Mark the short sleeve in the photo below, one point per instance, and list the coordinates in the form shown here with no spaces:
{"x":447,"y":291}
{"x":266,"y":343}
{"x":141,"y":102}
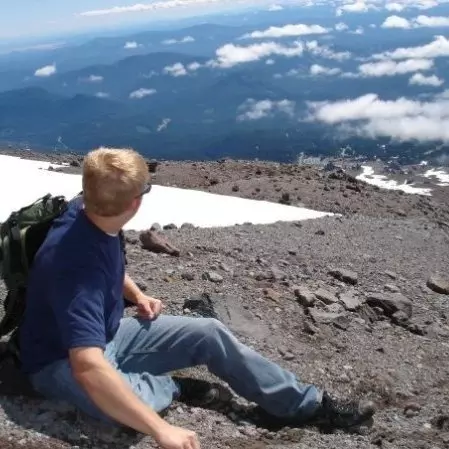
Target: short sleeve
{"x":79,"y":307}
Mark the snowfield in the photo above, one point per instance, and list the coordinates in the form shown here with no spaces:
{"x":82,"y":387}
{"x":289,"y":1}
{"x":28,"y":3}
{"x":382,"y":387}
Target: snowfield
{"x":27,"y":180}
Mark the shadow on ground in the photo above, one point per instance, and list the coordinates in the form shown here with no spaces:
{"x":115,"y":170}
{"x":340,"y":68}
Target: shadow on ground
{"x":62,"y":423}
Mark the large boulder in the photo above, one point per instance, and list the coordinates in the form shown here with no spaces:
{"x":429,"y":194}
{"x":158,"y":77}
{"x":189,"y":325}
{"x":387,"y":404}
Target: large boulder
{"x":151,"y":241}
{"x":391,"y":304}
{"x":438,"y":285}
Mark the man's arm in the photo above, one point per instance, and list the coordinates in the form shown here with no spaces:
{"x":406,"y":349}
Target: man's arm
{"x":112,"y":394}
{"x":131,"y":291}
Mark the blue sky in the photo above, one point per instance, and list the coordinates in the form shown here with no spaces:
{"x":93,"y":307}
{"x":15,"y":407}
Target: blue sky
{"x":29,"y":18}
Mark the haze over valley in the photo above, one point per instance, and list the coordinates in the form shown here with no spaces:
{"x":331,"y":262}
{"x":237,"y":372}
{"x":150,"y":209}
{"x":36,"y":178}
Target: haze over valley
{"x":271,"y":81}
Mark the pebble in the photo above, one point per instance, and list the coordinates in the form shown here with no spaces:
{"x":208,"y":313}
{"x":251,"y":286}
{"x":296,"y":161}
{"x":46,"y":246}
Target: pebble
{"x":391,"y":288}
{"x":212,"y":276}
{"x":224,"y":267}
{"x":347,"y":276}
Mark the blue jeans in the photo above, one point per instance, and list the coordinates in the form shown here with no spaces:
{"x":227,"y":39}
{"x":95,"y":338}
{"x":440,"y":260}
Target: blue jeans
{"x":144,"y":351}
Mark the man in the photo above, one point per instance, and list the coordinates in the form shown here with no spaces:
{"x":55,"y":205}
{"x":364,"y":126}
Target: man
{"x":76,"y":346}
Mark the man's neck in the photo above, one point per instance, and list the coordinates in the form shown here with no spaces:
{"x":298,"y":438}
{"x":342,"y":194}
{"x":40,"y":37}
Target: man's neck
{"x":109,"y":226}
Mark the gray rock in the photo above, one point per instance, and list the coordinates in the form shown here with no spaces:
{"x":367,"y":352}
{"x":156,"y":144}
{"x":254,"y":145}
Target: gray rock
{"x":277,"y":274}
{"x":320,"y":317}
{"x":391,"y":303}
{"x":350,"y":277}
{"x":224,"y":267}
{"x":400,"y":317}
{"x":187,"y":226}
{"x":188,"y":276}
{"x":305,"y":297}
{"x":272,"y":294}
{"x":391,"y":288}
{"x":212,"y":276}
{"x":170,"y":226}
{"x":350,"y":302}
{"x":310,"y":328}
{"x":335,"y":308}
{"x":156,"y":227}
{"x":438,"y":285}
{"x":325,"y":296}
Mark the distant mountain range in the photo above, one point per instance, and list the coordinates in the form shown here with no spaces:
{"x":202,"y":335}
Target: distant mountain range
{"x":167,"y":94}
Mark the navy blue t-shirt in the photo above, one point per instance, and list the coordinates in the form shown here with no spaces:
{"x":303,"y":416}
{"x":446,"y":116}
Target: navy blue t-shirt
{"x":75,"y":291}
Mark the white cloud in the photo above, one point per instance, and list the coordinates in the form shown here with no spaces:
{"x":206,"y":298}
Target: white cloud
{"x":415,"y":4}
{"x":396,"y":22}
{"x":131,"y":45}
{"x":439,"y":47}
{"x":399,"y":119}
{"x":422,"y":80}
{"x":164,"y":124}
{"x":274,"y":8}
{"x":424,"y":4}
{"x":418,"y":22}
{"x":48,"y":70}
{"x":230,"y":55}
{"x":396,"y":7}
{"x":102,"y":95}
{"x":269,"y":61}
{"x":94,"y":79}
{"x":391,"y":68}
{"x":255,"y":110}
{"x":141,"y":93}
{"x":150,"y":74}
{"x":141,"y":7}
{"x":325,"y":52}
{"x":184,"y":40}
{"x":176,"y":70}
{"x":358,"y":6}
{"x":286,"y":31}
{"x":317,"y":69}
{"x":431,"y":22}
{"x":341,"y":26}
{"x":194,"y":66}
{"x":291,"y":72}
{"x":358,"y":30}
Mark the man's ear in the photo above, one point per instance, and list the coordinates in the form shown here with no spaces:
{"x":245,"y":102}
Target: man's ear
{"x":135,"y":204}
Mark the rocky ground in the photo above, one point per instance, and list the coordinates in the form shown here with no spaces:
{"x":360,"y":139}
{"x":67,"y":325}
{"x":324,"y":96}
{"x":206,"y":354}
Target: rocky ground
{"x":357,"y":304}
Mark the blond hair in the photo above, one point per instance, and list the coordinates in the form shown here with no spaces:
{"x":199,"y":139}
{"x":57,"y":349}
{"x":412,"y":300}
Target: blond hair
{"x":112,"y":178}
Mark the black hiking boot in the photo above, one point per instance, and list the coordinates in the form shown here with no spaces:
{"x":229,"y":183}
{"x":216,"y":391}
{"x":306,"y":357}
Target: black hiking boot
{"x":201,"y":393}
{"x":334,"y":413}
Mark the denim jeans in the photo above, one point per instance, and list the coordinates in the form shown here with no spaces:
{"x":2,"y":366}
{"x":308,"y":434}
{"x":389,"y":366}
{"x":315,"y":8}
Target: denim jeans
{"x":145,"y":351}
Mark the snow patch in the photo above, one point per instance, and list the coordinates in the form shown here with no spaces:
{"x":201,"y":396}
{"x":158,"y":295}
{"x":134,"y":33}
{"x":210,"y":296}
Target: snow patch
{"x":441,"y":175}
{"x":27,"y":180}
{"x":383,"y":182}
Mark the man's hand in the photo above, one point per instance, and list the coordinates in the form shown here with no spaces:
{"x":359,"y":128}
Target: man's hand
{"x":173,"y":437}
{"x":149,"y":307}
